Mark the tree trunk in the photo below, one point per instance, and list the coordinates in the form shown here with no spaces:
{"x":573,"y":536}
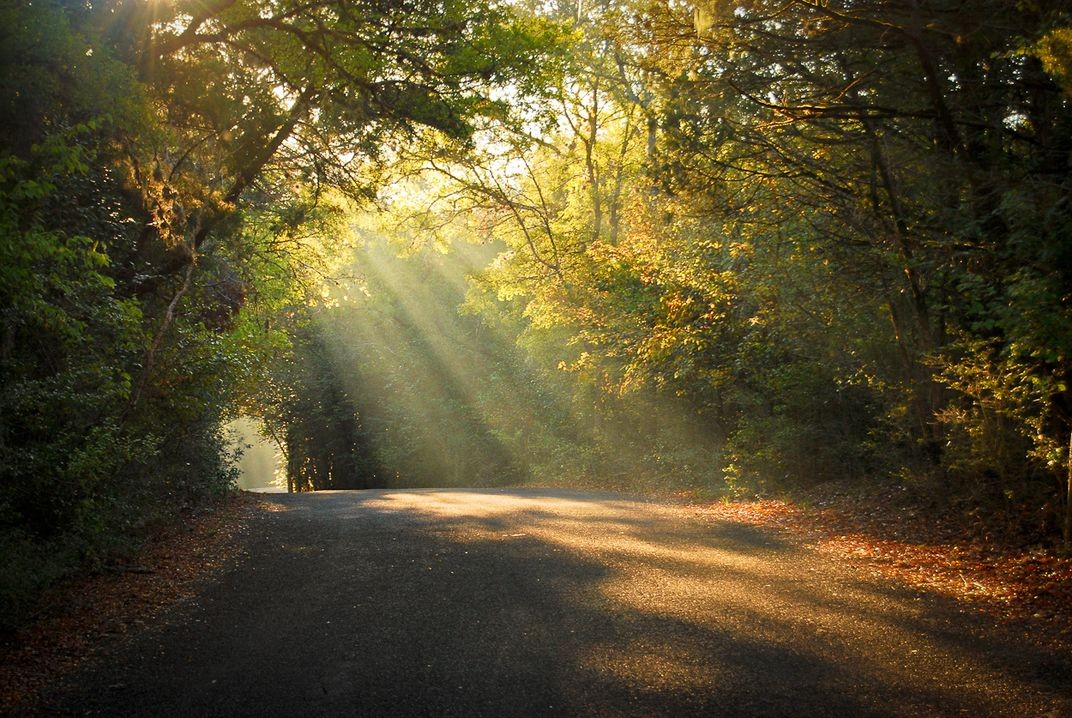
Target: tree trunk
{"x":158,"y":341}
{"x":590,"y":164}
{"x":1067,"y":533}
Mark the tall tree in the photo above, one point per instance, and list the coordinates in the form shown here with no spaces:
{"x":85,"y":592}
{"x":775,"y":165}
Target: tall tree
{"x":162,"y":167}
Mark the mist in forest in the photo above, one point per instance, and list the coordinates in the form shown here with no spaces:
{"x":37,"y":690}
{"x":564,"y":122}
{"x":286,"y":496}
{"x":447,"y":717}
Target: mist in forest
{"x":260,"y":463}
{"x":442,"y":394}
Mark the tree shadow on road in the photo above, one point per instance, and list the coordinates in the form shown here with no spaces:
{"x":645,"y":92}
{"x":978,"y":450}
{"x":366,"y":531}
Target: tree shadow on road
{"x":504,"y":603}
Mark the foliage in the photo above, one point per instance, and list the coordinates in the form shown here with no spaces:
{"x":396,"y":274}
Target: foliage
{"x":170,"y":182}
{"x":836,"y":232}
{"x":899,"y":144}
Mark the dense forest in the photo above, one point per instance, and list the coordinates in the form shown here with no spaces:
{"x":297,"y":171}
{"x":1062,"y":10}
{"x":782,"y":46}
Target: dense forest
{"x":730,"y":247}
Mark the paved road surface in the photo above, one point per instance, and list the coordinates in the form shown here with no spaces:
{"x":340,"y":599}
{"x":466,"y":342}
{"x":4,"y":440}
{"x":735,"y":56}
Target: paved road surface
{"x":518,"y":603}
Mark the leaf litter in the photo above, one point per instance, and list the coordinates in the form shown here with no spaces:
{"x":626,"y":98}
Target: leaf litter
{"x":79,"y":618}
{"x":924,"y":547}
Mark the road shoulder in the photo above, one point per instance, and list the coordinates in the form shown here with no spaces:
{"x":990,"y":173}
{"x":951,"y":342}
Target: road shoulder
{"x":91,"y":614}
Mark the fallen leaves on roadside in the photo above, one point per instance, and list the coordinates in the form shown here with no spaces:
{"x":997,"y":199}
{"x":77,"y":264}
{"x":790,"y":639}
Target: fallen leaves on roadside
{"x":76,"y":617}
{"x":928,"y":551}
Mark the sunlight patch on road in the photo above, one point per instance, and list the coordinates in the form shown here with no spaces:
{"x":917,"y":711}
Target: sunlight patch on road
{"x":658,"y":666}
{"x":480,"y":504}
{"x":663,"y":567}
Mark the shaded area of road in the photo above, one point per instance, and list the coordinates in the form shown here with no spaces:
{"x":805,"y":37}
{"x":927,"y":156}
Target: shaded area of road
{"x":501,"y":603}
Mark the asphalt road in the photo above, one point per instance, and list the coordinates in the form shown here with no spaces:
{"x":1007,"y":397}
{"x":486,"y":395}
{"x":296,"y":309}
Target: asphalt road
{"x":524,"y":603}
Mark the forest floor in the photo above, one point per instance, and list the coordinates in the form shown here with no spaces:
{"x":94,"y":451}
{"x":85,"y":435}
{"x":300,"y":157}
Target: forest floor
{"x":893,"y":533}
{"x":882,"y":531}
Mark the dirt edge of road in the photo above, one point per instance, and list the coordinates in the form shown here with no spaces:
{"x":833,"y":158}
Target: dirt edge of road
{"x":84,"y":615}
{"x":888,"y":532}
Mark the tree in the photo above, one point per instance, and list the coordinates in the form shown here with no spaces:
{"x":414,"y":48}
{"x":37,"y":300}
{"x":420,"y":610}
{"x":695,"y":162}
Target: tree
{"x":888,"y":171}
{"x":163,"y":167}
{"x":909,"y":136}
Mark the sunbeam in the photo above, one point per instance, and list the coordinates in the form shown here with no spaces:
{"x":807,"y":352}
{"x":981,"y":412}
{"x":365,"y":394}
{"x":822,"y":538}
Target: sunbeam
{"x":445,"y":396}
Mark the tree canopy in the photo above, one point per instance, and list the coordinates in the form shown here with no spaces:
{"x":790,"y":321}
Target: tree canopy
{"x":172,"y":177}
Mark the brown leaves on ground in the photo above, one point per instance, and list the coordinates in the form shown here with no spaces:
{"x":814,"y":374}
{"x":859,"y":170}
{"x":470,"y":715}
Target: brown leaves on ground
{"x":79,"y":616}
{"x":926,"y":549}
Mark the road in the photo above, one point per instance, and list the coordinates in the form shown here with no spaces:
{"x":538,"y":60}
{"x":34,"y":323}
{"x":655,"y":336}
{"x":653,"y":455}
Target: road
{"x":527,"y":603}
